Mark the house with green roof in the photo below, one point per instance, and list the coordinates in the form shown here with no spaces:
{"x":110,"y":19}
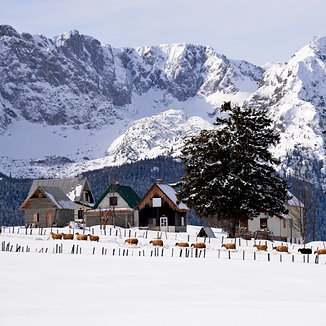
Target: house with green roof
{"x":115,"y":207}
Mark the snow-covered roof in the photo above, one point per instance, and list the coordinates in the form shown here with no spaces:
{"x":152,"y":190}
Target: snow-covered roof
{"x":58,"y":197}
{"x":170,"y":192}
{"x":294,"y":201}
{"x":72,"y":187}
{"x":55,"y":194}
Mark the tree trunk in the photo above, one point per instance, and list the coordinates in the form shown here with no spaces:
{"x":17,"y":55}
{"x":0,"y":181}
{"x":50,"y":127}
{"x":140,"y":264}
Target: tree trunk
{"x":231,"y":227}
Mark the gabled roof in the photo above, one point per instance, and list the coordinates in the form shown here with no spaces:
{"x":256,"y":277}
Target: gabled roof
{"x":206,"y":231}
{"x":55,"y":195}
{"x":72,"y":187}
{"x":171,"y":194}
{"x":126,"y":192}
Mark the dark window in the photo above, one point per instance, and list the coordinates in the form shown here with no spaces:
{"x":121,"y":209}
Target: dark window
{"x":113,"y":201}
{"x":80,"y":214}
{"x":263,"y":223}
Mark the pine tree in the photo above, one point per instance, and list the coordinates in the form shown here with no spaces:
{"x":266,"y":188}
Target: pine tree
{"x":230,"y":172}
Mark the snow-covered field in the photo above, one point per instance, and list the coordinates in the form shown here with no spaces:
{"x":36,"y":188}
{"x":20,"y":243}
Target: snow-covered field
{"x":110,"y":283}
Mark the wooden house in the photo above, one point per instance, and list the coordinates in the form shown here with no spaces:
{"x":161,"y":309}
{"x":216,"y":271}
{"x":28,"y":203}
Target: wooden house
{"x":115,"y":207}
{"x":76,"y":189}
{"x":46,"y":207}
{"x":158,"y":210}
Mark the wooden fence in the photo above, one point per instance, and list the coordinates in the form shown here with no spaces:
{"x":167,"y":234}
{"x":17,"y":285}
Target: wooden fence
{"x":115,"y":246}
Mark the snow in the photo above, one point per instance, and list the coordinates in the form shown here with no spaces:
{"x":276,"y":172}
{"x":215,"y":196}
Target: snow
{"x":75,"y":192}
{"x":51,"y":288}
{"x":170,"y":192}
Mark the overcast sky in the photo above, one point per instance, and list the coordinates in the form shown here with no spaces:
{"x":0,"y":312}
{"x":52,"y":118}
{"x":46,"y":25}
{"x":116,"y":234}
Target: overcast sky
{"x":254,"y":30}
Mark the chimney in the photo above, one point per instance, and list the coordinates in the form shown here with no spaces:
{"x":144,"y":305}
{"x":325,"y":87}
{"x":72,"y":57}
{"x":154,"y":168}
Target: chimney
{"x":158,"y":181}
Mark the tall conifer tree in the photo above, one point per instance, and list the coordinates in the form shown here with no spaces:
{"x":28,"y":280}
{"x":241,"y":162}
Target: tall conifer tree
{"x":230,"y":171}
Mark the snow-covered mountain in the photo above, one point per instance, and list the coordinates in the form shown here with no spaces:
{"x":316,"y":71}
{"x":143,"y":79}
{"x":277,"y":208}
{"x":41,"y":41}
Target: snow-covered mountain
{"x":71,"y":97}
{"x":295,"y":95}
{"x":70,"y":104}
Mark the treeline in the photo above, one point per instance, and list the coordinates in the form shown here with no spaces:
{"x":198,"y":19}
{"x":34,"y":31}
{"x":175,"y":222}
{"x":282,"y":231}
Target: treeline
{"x":140,"y":176}
{"x":13,"y":192}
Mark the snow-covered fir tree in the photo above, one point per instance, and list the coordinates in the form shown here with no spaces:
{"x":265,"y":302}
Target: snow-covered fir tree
{"x":230,"y":171}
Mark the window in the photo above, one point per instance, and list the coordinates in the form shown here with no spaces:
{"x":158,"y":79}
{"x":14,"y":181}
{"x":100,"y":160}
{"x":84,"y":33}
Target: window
{"x":157,"y":202}
{"x":263,"y":223}
{"x":80,"y":214}
{"x":284,"y":223}
{"x":113,"y":201}
{"x":36,"y":218}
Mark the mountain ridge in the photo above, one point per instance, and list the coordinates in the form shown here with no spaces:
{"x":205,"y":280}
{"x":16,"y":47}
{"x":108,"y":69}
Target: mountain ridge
{"x":69,"y":104}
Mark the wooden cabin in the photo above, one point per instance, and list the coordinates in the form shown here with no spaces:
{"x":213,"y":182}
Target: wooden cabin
{"x":76,"y":189}
{"x":158,"y":210}
{"x":115,"y":207}
{"x":46,"y":207}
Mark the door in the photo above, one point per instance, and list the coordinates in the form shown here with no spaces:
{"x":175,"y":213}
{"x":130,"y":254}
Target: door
{"x":49,"y":219}
{"x":163,"y":223}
